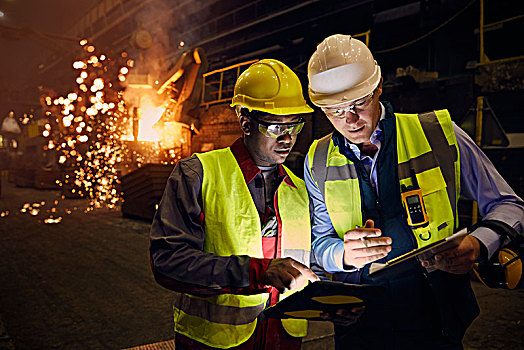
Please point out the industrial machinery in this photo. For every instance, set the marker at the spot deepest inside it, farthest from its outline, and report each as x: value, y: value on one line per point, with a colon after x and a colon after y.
x: 181, y: 95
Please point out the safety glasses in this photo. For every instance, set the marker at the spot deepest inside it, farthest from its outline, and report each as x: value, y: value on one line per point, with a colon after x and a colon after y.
x: 339, y: 112
x: 275, y: 130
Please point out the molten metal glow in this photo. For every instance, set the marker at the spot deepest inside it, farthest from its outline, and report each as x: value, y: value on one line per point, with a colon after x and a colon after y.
x: 149, y: 116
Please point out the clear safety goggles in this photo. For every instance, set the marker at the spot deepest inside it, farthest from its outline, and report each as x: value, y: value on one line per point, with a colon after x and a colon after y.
x: 356, y: 107
x: 275, y: 130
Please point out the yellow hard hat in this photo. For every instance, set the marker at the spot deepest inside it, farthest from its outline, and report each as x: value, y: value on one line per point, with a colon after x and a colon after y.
x: 342, y: 69
x: 504, y: 269
x: 513, y: 267
x: 270, y: 86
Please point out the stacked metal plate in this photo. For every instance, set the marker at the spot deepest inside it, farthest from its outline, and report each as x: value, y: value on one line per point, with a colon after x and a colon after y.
x: 142, y: 190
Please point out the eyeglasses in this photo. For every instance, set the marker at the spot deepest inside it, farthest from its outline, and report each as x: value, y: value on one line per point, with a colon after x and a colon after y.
x: 358, y: 106
x: 275, y: 130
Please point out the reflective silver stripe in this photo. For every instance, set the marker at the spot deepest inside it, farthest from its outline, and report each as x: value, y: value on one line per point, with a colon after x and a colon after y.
x: 216, y: 313
x: 297, y: 254
x: 419, y: 164
x: 446, y: 155
x: 318, y: 170
x: 344, y: 172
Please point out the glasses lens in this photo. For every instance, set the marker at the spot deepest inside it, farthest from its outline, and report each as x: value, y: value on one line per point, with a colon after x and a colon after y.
x: 297, y: 129
x: 364, y: 103
x: 273, y: 130
x: 263, y: 129
x: 340, y: 112
x: 277, y: 130
x: 355, y: 107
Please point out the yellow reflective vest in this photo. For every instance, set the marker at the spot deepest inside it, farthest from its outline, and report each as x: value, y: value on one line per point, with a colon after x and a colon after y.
x: 426, y: 145
x: 232, y: 227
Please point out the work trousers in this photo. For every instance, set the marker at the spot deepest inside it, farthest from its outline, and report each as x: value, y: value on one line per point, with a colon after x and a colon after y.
x: 357, y: 338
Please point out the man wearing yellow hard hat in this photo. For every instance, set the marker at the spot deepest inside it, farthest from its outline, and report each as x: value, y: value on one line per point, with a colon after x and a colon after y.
x: 232, y: 231
x: 385, y: 183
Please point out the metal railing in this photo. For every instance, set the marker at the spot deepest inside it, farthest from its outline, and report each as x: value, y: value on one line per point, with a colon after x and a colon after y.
x: 364, y: 34
x: 220, y: 88
x: 481, y: 101
x: 483, y: 59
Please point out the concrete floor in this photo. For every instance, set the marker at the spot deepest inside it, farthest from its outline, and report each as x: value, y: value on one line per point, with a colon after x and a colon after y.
x: 85, y: 283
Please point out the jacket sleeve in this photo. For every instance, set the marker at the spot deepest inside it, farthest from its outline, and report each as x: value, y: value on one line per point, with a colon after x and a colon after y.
x: 480, y: 181
x: 177, y: 241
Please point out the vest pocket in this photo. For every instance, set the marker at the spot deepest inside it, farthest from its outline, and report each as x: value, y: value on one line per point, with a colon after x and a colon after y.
x: 438, y: 208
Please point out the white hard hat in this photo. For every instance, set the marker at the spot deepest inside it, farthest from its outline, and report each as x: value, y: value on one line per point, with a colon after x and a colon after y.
x: 342, y: 69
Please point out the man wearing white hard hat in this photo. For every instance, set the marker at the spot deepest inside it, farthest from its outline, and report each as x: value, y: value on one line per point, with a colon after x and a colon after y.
x: 383, y: 184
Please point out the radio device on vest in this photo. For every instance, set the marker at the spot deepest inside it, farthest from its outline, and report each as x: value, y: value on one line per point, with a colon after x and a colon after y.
x: 412, y: 201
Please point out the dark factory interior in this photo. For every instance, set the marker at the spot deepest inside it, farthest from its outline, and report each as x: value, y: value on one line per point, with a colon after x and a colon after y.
x: 99, y: 100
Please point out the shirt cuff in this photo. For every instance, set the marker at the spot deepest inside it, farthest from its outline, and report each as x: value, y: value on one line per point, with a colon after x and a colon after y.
x: 257, y: 272
x: 489, y: 238
x: 339, y: 259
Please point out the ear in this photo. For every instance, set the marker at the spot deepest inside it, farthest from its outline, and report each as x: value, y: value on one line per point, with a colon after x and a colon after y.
x: 379, y: 87
x: 245, y: 125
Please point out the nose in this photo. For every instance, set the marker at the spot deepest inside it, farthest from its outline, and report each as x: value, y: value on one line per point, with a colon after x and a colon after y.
x: 351, y: 116
x: 285, y: 138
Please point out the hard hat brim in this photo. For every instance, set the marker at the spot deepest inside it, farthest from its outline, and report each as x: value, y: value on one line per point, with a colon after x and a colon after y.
x: 269, y: 108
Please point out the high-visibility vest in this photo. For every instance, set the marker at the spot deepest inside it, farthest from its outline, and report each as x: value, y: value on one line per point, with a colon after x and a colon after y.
x: 426, y: 146
x: 232, y: 227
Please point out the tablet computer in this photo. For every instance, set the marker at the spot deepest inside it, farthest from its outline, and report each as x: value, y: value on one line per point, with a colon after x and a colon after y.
x: 323, y: 296
x: 400, y: 264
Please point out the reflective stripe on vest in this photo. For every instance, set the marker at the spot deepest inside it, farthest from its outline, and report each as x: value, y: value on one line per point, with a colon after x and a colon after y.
x: 232, y: 227
x: 426, y: 143
x: 336, y: 177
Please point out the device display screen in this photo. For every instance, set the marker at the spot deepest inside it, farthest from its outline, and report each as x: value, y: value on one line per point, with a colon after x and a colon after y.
x: 412, y: 199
